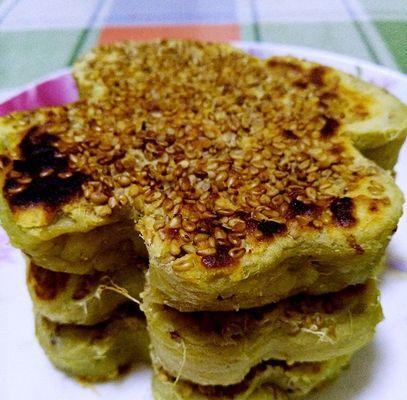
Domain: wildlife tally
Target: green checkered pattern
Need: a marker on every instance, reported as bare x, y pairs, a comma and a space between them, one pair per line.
38, 37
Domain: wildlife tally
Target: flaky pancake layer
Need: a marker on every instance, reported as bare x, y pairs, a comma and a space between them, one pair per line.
271, 380
220, 348
105, 351
84, 299
95, 353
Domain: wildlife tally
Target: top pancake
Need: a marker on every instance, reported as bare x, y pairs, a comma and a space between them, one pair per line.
245, 187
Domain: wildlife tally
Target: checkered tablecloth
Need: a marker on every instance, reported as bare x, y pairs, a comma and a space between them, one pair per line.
41, 36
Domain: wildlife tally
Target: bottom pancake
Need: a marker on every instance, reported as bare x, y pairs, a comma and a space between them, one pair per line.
83, 299
104, 351
96, 353
220, 348
271, 380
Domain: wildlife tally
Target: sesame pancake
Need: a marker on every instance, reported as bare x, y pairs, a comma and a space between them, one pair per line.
220, 348
95, 353
376, 120
270, 380
83, 299
242, 189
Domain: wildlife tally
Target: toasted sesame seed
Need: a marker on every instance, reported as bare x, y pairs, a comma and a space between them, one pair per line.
210, 251
98, 198
220, 234
221, 177
134, 191
184, 164
112, 202
175, 222
237, 225
15, 190
25, 180
175, 249
151, 197
222, 211
311, 193
188, 248
200, 237
265, 199
182, 265
236, 252
234, 239
122, 199
188, 225
65, 175
124, 181
46, 172
168, 204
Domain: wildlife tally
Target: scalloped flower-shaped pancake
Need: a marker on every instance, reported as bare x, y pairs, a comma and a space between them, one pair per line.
99, 352
221, 348
83, 299
243, 189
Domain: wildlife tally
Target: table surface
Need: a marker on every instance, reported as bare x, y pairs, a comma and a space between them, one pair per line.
41, 36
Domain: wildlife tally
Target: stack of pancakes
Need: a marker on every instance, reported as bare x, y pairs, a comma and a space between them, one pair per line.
245, 205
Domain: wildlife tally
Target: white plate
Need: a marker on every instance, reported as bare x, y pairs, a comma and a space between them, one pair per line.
377, 372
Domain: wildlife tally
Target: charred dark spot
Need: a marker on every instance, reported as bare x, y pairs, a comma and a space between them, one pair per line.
42, 163
300, 84
374, 206
124, 369
240, 100
330, 127
99, 331
51, 191
316, 75
39, 153
4, 161
328, 97
342, 209
251, 224
175, 335
219, 260
47, 284
271, 228
336, 149
284, 64
298, 207
289, 134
